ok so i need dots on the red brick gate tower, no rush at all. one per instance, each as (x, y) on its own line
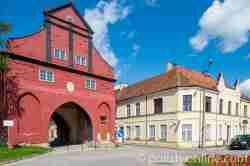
(64, 83)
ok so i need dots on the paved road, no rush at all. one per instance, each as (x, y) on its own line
(124, 156)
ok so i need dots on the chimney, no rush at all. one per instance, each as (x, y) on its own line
(170, 66)
(121, 86)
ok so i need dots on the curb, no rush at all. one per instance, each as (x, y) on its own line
(23, 158)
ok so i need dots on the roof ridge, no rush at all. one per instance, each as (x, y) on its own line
(57, 7)
(69, 4)
(149, 79)
(176, 77)
(183, 75)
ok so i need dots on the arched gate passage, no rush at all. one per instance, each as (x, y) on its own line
(69, 125)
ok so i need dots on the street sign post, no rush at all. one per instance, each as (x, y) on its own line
(120, 134)
(8, 124)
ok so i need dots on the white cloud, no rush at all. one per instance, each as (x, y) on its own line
(136, 48)
(118, 73)
(245, 87)
(152, 3)
(199, 42)
(227, 22)
(100, 19)
(122, 71)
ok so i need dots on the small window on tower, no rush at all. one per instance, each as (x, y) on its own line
(60, 53)
(103, 119)
(80, 60)
(90, 84)
(70, 19)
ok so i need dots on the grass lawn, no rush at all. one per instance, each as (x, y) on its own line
(20, 152)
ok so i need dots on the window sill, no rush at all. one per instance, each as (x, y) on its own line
(90, 89)
(60, 59)
(151, 139)
(163, 140)
(47, 81)
(137, 139)
(80, 65)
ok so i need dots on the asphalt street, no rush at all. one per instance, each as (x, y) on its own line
(123, 156)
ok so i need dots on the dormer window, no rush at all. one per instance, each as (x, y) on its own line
(80, 60)
(70, 19)
(60, 53)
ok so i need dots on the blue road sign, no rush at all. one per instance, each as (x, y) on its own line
(120, 133)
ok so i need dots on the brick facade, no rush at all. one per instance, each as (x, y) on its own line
(40, 99)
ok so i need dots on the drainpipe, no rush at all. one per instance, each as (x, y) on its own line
(217, 120)
(146, 142)
(200, 120)
(203, 120)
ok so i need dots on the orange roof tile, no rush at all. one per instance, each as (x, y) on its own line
(177, 77)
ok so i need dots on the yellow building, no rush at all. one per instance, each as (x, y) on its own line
(182, 108)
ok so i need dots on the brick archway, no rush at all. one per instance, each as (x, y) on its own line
(69, 124)
(30, 112)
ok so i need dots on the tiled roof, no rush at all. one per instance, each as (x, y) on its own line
(177, 77)
(243, 96)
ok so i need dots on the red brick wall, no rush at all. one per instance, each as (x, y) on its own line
(40, 99)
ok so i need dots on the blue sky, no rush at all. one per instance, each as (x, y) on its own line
(142, 36)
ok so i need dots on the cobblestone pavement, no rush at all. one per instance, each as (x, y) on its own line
(122, 156)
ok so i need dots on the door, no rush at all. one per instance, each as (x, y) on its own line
(104, 122)
(104, 128)
(228, 134)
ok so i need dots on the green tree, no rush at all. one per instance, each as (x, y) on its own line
(4, 29)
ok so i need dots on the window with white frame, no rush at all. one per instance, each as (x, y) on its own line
(187, 132)
(245, 110)
(152, 131)
(60, 53)
(164, 132)
(138, 109)
(137, 131)
(220, 131)
(237, 130)
(158, 105)
(46, 75)
(90, 84)
(128, 110)
(80, 60)
(237, 109)
(128, 132)
(187, 103)
(229, 108)
(208, 132)
(221, 106)
(70, 19)
(208, 104)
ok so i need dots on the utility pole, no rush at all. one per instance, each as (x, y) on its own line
(146, 120)
(203, 119)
